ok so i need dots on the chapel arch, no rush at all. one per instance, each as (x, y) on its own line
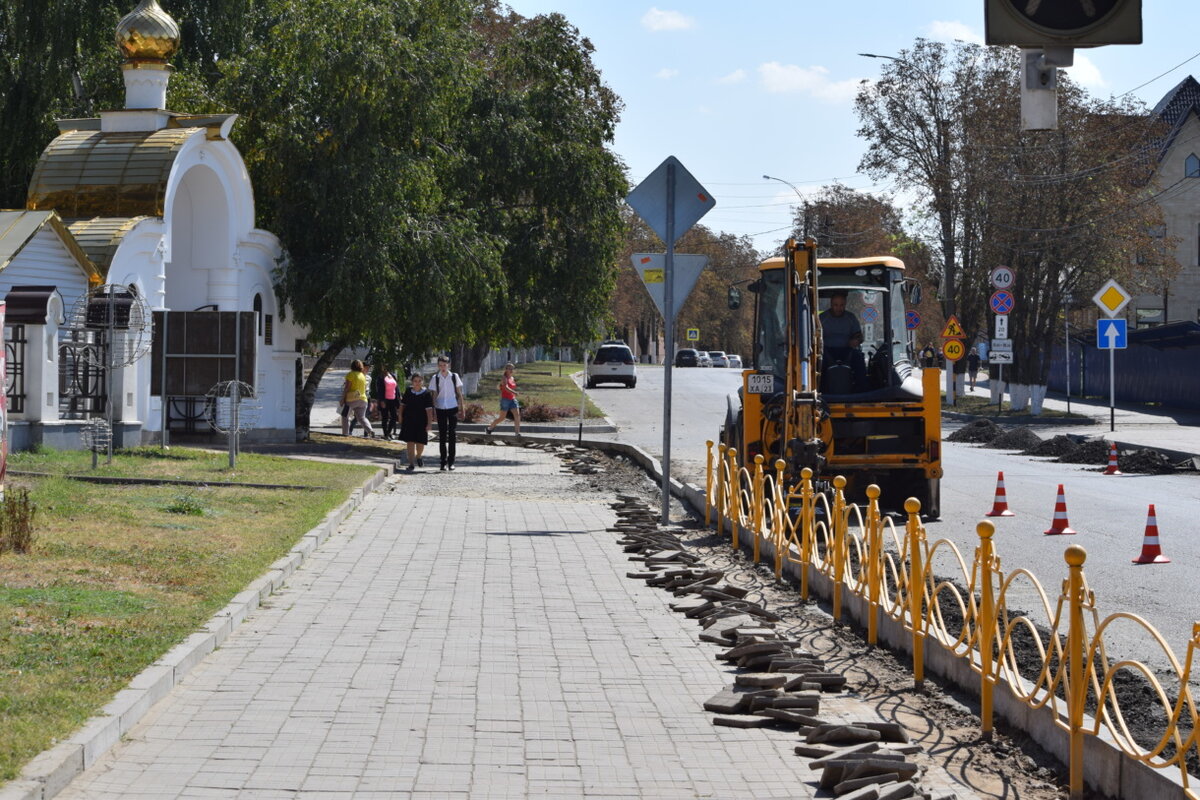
(200, 238)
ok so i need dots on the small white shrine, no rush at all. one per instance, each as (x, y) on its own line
(151, 199)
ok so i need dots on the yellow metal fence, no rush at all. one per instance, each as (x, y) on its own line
(861, 552)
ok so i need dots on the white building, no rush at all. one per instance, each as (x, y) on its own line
(159, 201)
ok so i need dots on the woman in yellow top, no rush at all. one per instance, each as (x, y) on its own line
(354, 395)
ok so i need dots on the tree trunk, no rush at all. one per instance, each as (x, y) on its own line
(308, 392)
(468, 358)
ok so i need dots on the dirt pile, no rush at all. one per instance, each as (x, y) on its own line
(1022, 439)
(976, 432)
(1093, 451)
(1150, 462)
(1057, 447)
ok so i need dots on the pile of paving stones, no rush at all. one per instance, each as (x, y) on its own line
(1022, 438)
(976, 432)
(582, 461)
(778, 684)
(1056, 447)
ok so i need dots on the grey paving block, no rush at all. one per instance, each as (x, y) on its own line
(743, 721)
(760, 680)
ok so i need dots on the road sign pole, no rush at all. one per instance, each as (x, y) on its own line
(1112, 390)
(669, 335)
(1067, 345)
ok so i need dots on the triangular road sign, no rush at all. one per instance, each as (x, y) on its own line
(685, 271)
(953, 329)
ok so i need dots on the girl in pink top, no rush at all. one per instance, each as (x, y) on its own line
(508, 401)
(389, 402)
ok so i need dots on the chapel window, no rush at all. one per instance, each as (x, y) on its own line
(1191, 166)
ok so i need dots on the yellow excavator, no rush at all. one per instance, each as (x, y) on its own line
(833, 384)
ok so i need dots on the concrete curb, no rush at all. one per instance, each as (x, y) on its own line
(50, 771)
(1050, 422)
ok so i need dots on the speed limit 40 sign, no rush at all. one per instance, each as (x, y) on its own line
(1003, 277)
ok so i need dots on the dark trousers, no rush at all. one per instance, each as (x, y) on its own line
(447, 419)
(390, 411)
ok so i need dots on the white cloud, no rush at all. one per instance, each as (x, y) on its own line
(737, 76)
(1086, 73)
(658, 20)
(948, 31)
(666, 73)
(790, 79)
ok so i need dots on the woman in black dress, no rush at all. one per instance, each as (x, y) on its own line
(416, 417)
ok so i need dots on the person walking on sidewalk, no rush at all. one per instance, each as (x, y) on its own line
(508, 400)
(386, 391)
(354, 394)
(972, 366)
(416, 418)
(449, 406)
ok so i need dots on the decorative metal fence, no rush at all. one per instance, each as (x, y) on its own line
(82, 388)
(861, 552)
(14, 351)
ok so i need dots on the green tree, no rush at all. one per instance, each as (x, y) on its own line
(350, 136)
(1062, 207)
(539, 174)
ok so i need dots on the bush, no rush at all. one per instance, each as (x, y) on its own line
(541, 412)
(16, 521)
(473, 412)
(187, 504)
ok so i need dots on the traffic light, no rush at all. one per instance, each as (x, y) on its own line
(1063, 23)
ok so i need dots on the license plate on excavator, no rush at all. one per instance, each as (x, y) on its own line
(761, 383)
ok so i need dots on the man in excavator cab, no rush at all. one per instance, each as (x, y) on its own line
(845, 368)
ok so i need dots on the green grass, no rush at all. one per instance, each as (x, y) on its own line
(546, 382)
(119, 574)
(981, 406)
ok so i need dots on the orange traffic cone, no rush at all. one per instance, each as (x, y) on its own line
(1000, 504)
(1112, 468)
(1151, 552)
(1060, 526)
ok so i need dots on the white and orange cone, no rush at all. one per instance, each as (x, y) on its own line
(1060, 526)
(1151, 552)
(1112, 468)
(1000, 504)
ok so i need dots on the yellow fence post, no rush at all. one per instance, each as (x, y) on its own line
(756, 501)
(1076, 667)
(916, 588)
(721, 488)
(874, 565)
(735, 494)
(779, 517)
(840, 522)
(708, 483)
(807, 528)
(987, 625)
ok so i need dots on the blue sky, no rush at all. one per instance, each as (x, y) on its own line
(738, 90)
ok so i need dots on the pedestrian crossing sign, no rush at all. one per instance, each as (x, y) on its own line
(953, 329)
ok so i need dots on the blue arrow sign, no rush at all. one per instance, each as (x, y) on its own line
(1111, 334)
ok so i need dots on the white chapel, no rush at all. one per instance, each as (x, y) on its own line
(151, 199)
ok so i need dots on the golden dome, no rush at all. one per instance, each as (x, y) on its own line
(148, 34)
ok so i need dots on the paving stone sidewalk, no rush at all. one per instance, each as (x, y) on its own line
(465, 635)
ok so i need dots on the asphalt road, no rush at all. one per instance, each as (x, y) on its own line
(697, 413)
(1109, 512)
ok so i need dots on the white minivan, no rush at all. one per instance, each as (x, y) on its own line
(613, 363)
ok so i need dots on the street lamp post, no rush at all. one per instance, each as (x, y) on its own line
(789, 184)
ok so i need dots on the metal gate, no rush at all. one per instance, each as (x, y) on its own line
(82, 388)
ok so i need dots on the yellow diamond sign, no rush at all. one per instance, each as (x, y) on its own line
(1111, 298)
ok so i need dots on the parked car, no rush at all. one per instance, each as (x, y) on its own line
(613, 364)
(687, 357)
(719, 359)
(704, 358)
(735, 361)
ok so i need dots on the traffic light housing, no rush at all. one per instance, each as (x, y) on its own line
(1028, 23)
